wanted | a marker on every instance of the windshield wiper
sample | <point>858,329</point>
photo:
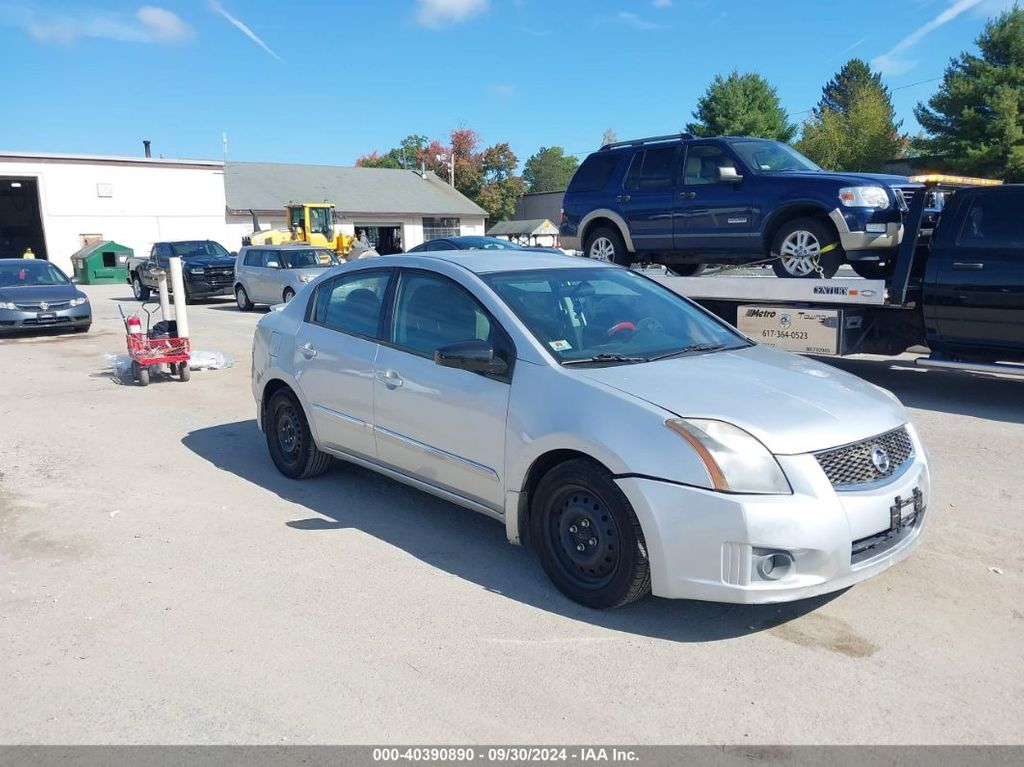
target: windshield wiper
<point>691,349</point>
<point>605,357</point>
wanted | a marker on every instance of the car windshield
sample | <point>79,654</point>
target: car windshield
<point>308,259</point>
<point>771,156</point>
<point>197,249</point>
<point>604,316</point>
<point>28,273</point>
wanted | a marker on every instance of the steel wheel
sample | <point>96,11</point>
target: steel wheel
<point>602,249</point>
<point>800,253</point>
<point>585,538</point>
<point>288,433</point>
<point>289,294</point>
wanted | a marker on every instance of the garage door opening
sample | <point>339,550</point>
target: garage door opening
<point>21,222</point>
<point>385,239</point>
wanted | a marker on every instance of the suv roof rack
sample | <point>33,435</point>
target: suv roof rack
<point>649,140</point>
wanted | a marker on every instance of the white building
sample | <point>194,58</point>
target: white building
<point>56,203</point>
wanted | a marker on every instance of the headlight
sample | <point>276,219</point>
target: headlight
<point>8,305</point>
<point>307,277</point>
<point>196,270</point>
<point>864,197</point>
<point>79,301</point>
<point>735,461</point>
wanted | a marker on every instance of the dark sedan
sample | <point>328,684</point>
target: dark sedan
<point>36,295</point>
<point>474,243</point>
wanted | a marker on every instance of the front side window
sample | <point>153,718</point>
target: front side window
<point>308,259</point>
<point>321,222</point>
<point>609,316</point>
<point>352,302</point>
<point>702,164</point>
<point>994,222</point>
<point>432,311</point>
<point>187,250</point>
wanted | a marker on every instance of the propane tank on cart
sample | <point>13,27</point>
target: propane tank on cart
<point>134,324</point>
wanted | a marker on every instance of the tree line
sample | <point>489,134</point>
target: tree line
<point>973,124</point>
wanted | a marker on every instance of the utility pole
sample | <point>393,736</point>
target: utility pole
<point>224,142</point>
<point>450,160</point>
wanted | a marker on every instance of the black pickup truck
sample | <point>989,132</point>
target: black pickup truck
<point>208,269</point>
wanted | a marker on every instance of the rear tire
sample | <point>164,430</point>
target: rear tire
<point>685,270</point>
<point>140,291</point>
<point>184,372</point>
<point>288,295</point>
<point>289,439</point>
<point>143,375</point>
<point>588,537</point>
<point>798,250</point>
<point>242,299</point>
<point>606,244</point>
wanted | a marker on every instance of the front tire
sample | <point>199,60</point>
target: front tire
<point>685,270</point>
<point>184,371</point>
<point>806,248</point>
<point>289,439</point>
<point>606,244</point>
<point>242,299</point>
<point>140,291</point>
<point>588,537</point>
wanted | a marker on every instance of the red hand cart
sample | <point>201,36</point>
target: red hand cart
<point>156,346</point>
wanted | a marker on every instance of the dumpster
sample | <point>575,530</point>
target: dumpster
<point>101,263</point>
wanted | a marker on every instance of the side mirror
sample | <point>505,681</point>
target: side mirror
<point>728,174</point>
<point>234,254</point>
<point>475,356</point>
<point>273,265</point>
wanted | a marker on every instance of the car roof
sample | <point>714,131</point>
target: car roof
<point>489,260</point>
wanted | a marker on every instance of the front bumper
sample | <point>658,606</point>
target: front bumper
<point>707,545</point>
<point>17,320</point>
<point>854,236</point>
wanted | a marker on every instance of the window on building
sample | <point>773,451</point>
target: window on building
<point>435,228</point>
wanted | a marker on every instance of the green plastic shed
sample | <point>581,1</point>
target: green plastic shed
<point>101,263</point>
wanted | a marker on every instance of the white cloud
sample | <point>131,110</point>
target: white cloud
<point>241,27</point>
<point>895,62</point>
<point>148,24</point>
<point>438,13</point>
<point>637,21</point>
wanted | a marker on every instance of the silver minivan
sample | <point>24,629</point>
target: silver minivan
<point>273,274</point>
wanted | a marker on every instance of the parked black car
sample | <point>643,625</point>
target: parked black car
<point>471,242</point>
<point>36,294</point>
<point>685,202</point>
<point>208,269</point>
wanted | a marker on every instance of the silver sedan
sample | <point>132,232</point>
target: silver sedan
<point>637,442</point>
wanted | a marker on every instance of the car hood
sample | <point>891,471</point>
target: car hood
<point>34,293</point>
<point>196,261</point>
<point>791,404</point>
<point>849,179</point>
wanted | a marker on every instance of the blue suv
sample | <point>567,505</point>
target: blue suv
<point>685,202</point>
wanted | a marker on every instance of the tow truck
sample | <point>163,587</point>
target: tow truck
<point>957,289</point>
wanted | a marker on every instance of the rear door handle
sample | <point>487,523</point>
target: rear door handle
<point>390,378</point>
<point>687,195</point>
<point>623,198</point>
<point>308,350</point>
<point>968,266</point>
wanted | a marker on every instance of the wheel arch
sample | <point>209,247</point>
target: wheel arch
<point>518,529</point>
<point>790,212</point>
<point>609,218</point>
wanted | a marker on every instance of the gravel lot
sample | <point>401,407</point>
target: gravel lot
<point>161,583</point>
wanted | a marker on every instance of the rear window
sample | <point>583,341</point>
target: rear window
<point>994,221</point>
<point>594,172</point>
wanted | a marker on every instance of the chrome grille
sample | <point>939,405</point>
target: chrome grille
<point>37,306</point>
<point>852,465</point>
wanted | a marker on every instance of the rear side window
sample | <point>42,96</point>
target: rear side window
<point>651,169</point>
<point>252,258</point>
<point>352,303</point>
<point>594,172</point>
<point>994,221</point>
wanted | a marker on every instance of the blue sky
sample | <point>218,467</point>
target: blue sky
<point>324,82</point>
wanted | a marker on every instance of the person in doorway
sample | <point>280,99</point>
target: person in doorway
<point>28,253</point>
<point>363,239</point>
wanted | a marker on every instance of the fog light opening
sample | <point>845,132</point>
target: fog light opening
<point>775,566</point>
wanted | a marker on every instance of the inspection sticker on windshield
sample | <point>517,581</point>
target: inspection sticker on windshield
<point>560,345</point>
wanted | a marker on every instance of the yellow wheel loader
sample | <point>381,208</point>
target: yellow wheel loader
<point>307,222</point>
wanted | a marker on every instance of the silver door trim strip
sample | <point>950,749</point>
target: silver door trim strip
<point>486,471</point>
<point>344,417</point>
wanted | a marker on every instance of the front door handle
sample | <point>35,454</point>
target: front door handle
<point>687,195</point>
<point>623,198</point>
<point>968,266</point>
<point>390,378</point>
<point>308,350</point>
